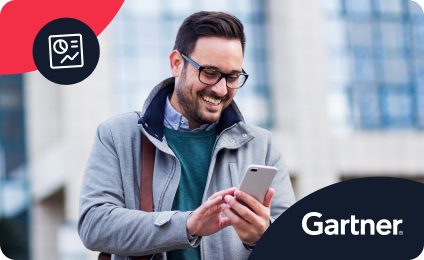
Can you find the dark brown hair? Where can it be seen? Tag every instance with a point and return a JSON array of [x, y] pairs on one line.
[[212, 24]]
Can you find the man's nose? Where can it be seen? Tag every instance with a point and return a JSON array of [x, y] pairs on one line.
[[220, 88]]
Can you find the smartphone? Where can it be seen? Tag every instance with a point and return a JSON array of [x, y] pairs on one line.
[[257, 181]]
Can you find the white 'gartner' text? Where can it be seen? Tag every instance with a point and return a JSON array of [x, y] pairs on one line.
[[384, 227]]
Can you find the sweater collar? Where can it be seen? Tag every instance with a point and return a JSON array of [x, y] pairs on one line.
[[153, 113]]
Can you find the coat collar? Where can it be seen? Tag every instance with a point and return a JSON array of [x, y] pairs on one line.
[[153, 113]]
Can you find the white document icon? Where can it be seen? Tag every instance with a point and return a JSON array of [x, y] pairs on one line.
[[66, 51]]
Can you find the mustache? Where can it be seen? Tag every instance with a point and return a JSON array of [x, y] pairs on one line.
[[214, 96]]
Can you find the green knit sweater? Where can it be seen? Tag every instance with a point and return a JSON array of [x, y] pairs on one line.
[[194, 151]]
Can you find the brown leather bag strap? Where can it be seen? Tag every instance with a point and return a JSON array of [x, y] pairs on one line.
[[147, 166], [104, 256], [146, 183], [146, 180]]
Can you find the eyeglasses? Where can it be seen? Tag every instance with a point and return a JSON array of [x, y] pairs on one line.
[[210, 76]]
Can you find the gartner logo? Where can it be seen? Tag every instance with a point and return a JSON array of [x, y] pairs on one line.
[[367, 219], [384, 227]]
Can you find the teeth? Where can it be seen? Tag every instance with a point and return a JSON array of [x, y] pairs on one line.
[[212, 101]]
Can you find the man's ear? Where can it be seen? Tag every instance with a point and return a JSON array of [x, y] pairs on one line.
[[177, 63]]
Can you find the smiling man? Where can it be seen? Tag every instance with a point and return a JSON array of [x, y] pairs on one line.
[[202, 150], [201, 95]]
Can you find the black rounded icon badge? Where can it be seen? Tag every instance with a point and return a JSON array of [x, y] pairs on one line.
[[66, 51]]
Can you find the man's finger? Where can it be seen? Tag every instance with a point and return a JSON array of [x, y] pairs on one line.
[[250, 201], [242, 228], [218, 208], [268, 197], [208, 204], [236, 221], [222, 193], [242, 210]]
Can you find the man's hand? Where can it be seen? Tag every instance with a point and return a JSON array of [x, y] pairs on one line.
[[206, 219], [254, 221]]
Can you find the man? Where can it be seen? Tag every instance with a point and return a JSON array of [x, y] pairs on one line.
[[203, 148]]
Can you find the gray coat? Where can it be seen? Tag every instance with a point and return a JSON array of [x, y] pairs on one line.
[[110, 219]]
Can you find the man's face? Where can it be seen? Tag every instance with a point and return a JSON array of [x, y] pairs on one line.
[[192, 95]]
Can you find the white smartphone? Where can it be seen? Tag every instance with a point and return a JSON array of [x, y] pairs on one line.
[[257, 181]]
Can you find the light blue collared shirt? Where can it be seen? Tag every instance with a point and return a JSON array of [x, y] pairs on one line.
[[176, 121]]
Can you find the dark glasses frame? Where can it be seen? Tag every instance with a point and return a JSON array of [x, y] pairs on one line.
[[223, 75]]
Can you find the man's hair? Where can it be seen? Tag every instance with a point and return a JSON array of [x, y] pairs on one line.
[[209, 24]]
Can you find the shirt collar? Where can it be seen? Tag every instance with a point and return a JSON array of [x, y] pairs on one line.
[[176, 121], [153, 113]]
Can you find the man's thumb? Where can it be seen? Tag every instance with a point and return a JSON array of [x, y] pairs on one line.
[[225, 222], [268, 197]]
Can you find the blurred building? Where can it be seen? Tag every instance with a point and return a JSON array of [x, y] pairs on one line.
[[338, 82], [14, 193], [348, 89]]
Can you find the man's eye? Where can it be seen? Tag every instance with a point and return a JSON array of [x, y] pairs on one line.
[[233, 77], [210, 72]]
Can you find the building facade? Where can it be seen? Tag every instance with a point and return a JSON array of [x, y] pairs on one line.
[[14, 192]]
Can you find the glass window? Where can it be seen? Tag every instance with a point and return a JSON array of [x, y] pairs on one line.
[[10, 96], [358, 10], [360, 34], [397, 107], [241, 8], [395, 71], [389, 6], [360, 6], [14, 192], [145, 8], [364, 69], [128, 30], [418, 35], [366, 111], [152, 35], [420, 106], [392, 34], [385, 40], [419, 70], [218, 5], [180, 7], [364, 65]]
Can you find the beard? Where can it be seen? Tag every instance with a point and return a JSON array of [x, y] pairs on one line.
[[189, 102]]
